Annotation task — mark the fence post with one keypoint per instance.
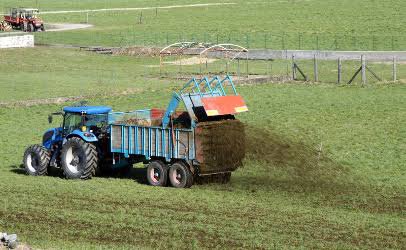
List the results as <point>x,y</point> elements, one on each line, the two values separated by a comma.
<point>317,42</point>
<point>140,21</point>
<point>293,68</point>
<point>316,69</point>
<point>238,67</point>
<point>363,70</point>
<point>247,68</point>
<point>339,71</point>
<point>394,68</point>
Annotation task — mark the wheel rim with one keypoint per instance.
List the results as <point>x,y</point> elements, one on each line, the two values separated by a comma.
<point>73,160</point>
<point>177,176</point>
<point>32,162</point>
<point>155,175</point>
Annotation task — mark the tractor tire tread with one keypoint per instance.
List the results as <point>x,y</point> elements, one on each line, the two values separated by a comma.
<point>44,158</point>
<point>92,162</point>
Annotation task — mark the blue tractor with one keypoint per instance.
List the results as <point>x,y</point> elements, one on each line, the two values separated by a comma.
<point>204,139</point>
<point>76,147</point>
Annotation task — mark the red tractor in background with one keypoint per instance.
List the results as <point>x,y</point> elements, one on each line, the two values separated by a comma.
<point>26,20</point>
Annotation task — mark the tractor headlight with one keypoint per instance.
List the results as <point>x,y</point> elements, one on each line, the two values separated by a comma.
<point>84,128</point>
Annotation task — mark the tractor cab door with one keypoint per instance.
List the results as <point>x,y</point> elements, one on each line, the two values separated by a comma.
<point>71,122</point>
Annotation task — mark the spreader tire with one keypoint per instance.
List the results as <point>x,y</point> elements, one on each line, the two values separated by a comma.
<point>180,175</point>
<point>157,174</point>
<point>36,160</point>
<point>79,159</point>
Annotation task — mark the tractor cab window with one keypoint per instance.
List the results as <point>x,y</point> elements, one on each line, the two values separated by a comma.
<point>96,121</point>
<point>72,121</point>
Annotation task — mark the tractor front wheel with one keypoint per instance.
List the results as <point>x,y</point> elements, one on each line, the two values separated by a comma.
<point>30,28</point>
<point>23,27</point>
<point>36,160</point>
<point>79,159</point>
<point>180,175</point>
<point>157,173</point>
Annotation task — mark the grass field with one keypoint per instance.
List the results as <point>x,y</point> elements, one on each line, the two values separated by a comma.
<point>325,164</point>
<point>314,24</point>
<point>86,73</point>
<point>349,194</point>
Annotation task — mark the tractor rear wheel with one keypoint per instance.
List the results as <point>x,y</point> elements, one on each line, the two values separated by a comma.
<point>180,175</point>
<point>36,160</point>
<point>79,159</point>
<point>157,174</point>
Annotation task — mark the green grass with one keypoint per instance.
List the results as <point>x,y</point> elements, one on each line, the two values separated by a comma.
<point>289,194</point>
<point>48,73</point>
<point>315,24</point>
<point>54,72</point>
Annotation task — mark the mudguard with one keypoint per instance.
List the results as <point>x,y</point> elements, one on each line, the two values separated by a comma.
<point>86,136</point>
<point>51,137</point>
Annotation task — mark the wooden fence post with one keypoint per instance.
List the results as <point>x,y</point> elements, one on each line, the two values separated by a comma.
<point>363,70</point>
<point>293,67</point>
<point>339,70</point>
<point>394,69</point>
<point>316,69</point>
<point>238,67</point>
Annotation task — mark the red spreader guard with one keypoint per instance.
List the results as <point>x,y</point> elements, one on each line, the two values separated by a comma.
<point>224,105</point>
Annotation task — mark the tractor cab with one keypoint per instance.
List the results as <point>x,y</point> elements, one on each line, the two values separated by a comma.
<point>86,122</point>
<point>91,119</point>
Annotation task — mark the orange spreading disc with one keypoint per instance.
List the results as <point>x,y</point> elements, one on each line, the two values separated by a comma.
<point>224,105</point>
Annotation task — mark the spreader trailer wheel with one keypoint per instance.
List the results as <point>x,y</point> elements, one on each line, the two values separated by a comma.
<point>157,174</point>
<point>36,160</point>
<point>180,175</point>
<point>79,159</point>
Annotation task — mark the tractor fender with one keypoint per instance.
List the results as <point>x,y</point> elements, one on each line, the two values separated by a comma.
<point>86,136</point>
<point>51,137</point>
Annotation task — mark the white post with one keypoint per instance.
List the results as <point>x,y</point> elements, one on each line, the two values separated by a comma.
<point>363,70</point>
<point>316,69</point>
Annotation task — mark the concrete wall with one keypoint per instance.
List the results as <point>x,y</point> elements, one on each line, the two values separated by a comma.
<point>17,41</point>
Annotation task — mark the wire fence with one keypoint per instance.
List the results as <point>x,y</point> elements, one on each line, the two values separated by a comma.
<point>362,71</point>
<point>291,41</point>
